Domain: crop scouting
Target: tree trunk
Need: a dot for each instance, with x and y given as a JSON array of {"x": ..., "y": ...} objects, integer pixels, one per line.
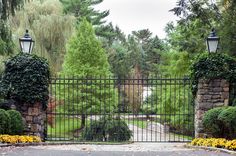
[{"x": 83, "y": 118}]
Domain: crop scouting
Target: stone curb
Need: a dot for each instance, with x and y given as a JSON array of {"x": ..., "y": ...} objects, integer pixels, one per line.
[
  {"x": 212, "y": 149},
  {"x": 62, "y": 143}
]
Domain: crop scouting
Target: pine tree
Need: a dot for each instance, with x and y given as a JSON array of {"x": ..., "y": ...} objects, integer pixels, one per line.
[
  {"x": 85, "y": 58},
  {"x": 84, "y": 9}
]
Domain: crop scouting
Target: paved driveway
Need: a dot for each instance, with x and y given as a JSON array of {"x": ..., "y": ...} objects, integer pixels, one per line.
[
  {"x": 136, "y": 149},
  {"x": 152, "y": 135}
]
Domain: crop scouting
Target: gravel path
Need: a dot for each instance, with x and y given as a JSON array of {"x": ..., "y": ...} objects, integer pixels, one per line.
[{"x": 136, "y": 149}]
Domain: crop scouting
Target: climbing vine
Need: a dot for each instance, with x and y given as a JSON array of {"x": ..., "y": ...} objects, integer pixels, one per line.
[
  {"x": 211, "y": 66},
  {"x": 26, "y": 79}
]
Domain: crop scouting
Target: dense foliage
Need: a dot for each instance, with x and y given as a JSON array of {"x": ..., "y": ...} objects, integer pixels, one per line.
[
  {"x": 197, "y": 18},
  {"x": 85, "y": 55},
  {"x": 26, "y": 79},
  {"x": 211, "y": 66},
  {"x": 85, "y": 9},
  {"x": 48, "y": 26},
  {"x": 7, "y": 8},
  {"x": 220, "y": 122},
  {"x": 86, "y": 58},
  {"x": 107, "y": 129}
]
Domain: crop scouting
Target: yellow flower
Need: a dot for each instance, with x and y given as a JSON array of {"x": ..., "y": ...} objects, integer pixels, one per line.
[{"x": 13, "y": 139}]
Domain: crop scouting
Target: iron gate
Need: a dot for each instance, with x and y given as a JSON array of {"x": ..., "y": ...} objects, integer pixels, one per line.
[{"x": 154, "y": 109}]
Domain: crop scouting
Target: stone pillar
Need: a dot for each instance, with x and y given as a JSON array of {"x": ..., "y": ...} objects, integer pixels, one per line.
[
  {"x": 34, "y": 117},
  {"x": 211, "y": 94}
]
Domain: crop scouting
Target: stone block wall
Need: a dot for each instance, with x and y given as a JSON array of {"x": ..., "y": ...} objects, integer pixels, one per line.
[
  {"x": 210, "y": 94},
  {"x": 34, "y": 117}
]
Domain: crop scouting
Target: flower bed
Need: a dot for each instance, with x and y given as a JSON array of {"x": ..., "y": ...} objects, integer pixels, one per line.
[
  {"x": 13, "y": 139},
  {"x": 215, "y": 142}
]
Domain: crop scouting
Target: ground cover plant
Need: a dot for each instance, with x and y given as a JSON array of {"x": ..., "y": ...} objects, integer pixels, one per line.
[
  {"x": 215, "y": 142},
  {"x": 13, "y": 139}
]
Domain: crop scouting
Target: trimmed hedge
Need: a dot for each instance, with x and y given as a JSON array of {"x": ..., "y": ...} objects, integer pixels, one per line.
[
  {"x": 16, "y": 122},
  {"x": 228, "y": 118},
  {"x": 221, "y": 122},
  {"x": 212, "y": 124},
  {"x": 11, "y": 122},
  {"x": 4, "y": 122}
]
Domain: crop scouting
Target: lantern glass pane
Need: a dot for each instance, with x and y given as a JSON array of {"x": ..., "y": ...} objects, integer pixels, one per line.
[
  {"x": 212, "y": 45},
  {"x": 31, "y": 46},
  {"x": 25, "y": 45}
]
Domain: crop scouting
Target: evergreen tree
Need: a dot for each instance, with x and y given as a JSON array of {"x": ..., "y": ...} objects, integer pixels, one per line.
[
  {"x": 228, "y": 26},
  {"x": 85, "y": 58},
  {"x": 84, "y": 9}
]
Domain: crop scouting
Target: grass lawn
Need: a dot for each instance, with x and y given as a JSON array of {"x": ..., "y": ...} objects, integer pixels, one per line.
[
  {"x": 182, "y": 137},
  {"x": 63, "y": 127},
  {"x": 136, "y": 122}
]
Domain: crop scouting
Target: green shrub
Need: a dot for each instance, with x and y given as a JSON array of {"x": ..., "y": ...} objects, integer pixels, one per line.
[
  {"x": 228, "y": 118},
  {"x": 212, "y": 124},
  {"x": 148, "y": 109},
  {"x": 107, "y": 129},
  {"x": 4, "y": 105},
  {"x": 117, "y": 130},
  {"x": 16, "y": 122},
  {"x": 94, "y": 131},
  {"x": 4, "y": 122}
]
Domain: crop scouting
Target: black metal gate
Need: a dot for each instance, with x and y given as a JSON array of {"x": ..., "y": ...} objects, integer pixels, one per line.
[{"x": 153, "y": 109}]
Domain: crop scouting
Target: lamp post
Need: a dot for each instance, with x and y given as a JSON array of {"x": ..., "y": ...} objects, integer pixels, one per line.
[
  {"x": 212, "y": 42},
  {"x": 26, "y": 43}
]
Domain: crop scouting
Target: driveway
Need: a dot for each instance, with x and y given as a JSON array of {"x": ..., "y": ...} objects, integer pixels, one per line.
[
  {"x": 136, "y": 149},
  {"x": 154, "y": 135}
]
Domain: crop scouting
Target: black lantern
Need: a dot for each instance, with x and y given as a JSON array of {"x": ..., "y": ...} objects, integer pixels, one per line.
[
  {"x": 212, "y": 42},
  {"x": 26, "y": 43}
]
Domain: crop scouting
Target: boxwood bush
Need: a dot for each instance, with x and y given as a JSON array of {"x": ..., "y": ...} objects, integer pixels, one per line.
[
  {"x": 221, "y": 122},
  {"x": 11, "y": 122},
  {"x": 212, "y": 124},
  {"x": 228, "y": 118},
  {"x": 16, "y": 122},
  {"x": 4, "y": 122}
]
